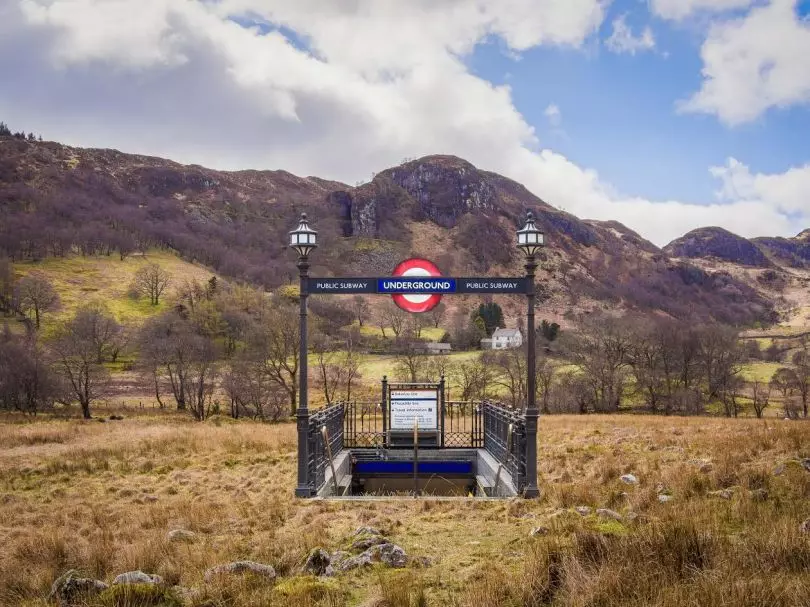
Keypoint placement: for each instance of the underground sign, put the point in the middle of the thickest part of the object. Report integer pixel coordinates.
(414, 268)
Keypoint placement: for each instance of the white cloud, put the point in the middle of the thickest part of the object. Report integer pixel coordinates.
(754, 63)
(622, 40)
(552, 112)
(361, 84)
(681, 9)
(786, 192)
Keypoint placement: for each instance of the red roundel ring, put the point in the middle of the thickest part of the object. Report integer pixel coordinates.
(417, 303)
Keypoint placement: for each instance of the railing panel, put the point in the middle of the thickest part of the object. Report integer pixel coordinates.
(332, 418)
(497, 419)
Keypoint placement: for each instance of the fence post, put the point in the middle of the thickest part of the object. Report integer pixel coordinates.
(384, 407)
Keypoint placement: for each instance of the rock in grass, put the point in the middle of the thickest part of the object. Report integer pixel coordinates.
(608, 514)
(137, 577)
(317, 562)
(181, 535)
(664, 498)
(539, 531)
(387, 554)
(364, 543)
(779, 470)
(70, 589)
(367, 531)
(806, 464)
(583, 510)
(240, 567)
(629, 479)
(805, 526)
(725, 494)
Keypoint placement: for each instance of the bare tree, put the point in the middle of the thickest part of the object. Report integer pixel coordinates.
(802, 361)
(546, 375)
(361, 308)
(785, 381)
(26, 383)
(393, 316)
(105, 332)
(411, 361)
(436, 315)
(510, 372)
(602, 352)
(35, 293)
(252, 392)
(475, 378)
(279, 342)
(151, 280)
(6, 285)
(75, 351)
(173, 351)
(760, 395)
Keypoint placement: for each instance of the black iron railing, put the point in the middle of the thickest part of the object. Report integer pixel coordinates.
(466, 425)
(509, 450)
(363, 423)
(463, 427)
(332, 419)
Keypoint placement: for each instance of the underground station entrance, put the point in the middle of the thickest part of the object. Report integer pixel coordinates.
(413, 440)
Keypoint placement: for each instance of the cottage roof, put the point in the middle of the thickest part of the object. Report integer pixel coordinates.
(506, 333)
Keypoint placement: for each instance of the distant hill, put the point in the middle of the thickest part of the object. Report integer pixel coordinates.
(55, 200)
(720, 244)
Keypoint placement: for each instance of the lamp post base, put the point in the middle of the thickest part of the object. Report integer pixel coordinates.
(530, 493)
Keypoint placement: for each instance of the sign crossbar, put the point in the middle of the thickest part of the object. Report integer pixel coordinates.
(420, 285)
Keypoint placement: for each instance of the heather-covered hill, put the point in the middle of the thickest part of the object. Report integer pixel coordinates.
(56, 200)
(718, 243)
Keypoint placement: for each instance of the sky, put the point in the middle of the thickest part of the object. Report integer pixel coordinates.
(666, 115)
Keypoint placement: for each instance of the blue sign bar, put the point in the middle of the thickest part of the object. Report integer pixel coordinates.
(416, 285)
(421, 284)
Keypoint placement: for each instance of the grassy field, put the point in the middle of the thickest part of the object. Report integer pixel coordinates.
(80, 280)
(101, 498)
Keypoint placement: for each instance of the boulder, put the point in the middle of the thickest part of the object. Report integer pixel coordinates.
(806, 463)
(71, 589)
(387, 554)
(367, 531)
(181, 535)
(608, 514)
(805, 526)
(629, 479)
(664, 498)
(137, 577)
(583, 510)
(364, 543)
(539, 531)
(318, 561)
(240, 567)
(725, 494)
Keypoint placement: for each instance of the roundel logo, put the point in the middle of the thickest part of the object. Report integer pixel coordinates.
(417, 303)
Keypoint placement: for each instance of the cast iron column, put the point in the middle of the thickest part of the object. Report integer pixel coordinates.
(304, 489)
(531, 407)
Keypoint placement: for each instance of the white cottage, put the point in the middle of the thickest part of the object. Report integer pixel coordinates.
(502, 339)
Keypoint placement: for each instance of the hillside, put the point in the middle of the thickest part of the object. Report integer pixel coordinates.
(720, 244)
(80, 280)
(56, 199)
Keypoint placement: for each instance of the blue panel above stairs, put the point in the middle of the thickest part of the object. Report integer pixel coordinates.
(406, 467)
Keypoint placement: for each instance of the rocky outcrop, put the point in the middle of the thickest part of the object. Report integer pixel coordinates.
(137, 577)
(72, 589)
(719, 244)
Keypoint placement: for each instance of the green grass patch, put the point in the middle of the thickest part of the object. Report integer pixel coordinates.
(760, 371)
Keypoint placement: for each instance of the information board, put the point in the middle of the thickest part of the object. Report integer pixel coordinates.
(408, 406)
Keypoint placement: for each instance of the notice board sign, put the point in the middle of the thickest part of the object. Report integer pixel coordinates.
(414, 405)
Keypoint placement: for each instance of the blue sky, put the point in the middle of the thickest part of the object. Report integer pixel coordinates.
(619, 115)
(702, 120)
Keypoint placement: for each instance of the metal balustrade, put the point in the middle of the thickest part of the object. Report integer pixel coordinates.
(465, 425)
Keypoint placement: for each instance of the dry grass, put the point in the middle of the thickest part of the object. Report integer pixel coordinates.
(101, 498)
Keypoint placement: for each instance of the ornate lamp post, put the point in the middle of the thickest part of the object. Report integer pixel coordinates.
(304, 240)
(530, 240)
